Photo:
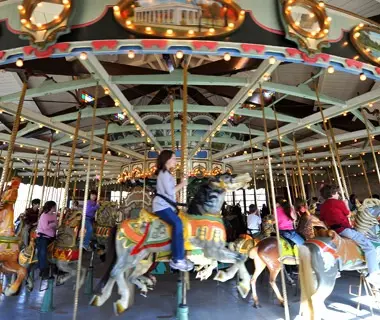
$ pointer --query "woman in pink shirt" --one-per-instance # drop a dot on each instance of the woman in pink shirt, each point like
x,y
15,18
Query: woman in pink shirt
x,y
46,229
286,218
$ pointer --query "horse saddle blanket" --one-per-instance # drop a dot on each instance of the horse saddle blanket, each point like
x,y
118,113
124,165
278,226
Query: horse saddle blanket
x,y
289,252
63,253
350,256
149,231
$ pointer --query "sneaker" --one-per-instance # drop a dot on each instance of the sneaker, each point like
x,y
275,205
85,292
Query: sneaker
x,y
181,265
374,280
338,275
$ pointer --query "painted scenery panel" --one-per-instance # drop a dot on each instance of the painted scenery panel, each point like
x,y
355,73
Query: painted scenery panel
x,y
179,18
366,39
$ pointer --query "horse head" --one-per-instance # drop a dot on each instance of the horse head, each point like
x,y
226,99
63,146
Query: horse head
x,y
210,196
366,220
107,215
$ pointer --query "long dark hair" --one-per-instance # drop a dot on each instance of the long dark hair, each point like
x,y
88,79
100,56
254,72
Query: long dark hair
x,y
285,205
163,157
48,206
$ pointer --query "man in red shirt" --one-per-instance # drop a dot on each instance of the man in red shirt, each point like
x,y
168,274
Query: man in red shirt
x,y
335,214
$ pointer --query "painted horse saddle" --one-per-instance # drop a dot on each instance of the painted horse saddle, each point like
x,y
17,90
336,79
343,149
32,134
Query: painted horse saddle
x,y
149,231
350,256
289,252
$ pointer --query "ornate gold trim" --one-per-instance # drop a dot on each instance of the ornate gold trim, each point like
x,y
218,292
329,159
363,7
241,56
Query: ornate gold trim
x,y
170,31
359,46
316,10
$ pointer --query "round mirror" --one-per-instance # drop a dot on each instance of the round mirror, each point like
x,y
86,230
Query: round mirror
x,y
306,18
366,40
46,12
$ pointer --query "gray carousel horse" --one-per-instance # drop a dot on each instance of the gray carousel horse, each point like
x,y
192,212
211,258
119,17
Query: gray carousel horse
x,y
205,243
323,257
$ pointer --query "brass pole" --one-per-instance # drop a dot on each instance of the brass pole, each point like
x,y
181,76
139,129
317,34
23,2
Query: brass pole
x,y
329,176
335,147
282,157
311,180
324,120
366,177
75,189
283,282
34,181
145,176
266,186
86,192
333,172
299,169
348,180
46,169
12,139
103,160
253,165
371,145
184,153
55,175
172,120
70,168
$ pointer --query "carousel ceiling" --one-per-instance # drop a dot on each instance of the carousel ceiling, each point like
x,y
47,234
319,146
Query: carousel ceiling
x,y
135,92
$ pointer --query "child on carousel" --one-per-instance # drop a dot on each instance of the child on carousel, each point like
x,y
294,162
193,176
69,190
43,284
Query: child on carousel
x,y
335,213
46,230
164,205
286,217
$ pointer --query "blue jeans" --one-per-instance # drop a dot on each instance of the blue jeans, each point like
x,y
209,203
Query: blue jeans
x,y
170,217
42,245
366,245
89,230
292,236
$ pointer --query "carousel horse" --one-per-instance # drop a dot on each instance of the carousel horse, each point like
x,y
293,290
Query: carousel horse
x,y
323,257
141,241
63,251
9,243
264,254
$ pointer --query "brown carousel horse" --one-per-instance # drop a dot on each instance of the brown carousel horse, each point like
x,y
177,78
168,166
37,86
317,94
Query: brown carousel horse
x,y
63,251
9,243
323,257
264,253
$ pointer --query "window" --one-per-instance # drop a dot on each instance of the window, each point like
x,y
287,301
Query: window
x,y
55,194
115,196
249,197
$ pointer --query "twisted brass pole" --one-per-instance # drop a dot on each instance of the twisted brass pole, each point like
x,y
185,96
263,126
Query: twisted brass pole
x,y
103,160
12,139
70,168
299,169
348,180
283,282
46,169
172,120
335,147
366,177
253,165
86,192
313,190
324,120
184,151
31,180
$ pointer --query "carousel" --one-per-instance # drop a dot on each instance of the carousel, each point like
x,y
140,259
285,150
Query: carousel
x,y
279,96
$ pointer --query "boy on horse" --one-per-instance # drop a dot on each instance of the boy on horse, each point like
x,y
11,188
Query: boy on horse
x,y
335,213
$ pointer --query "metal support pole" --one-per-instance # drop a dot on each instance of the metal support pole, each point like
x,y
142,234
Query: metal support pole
x,y
46,172
299,169
103,160
172,120
348,180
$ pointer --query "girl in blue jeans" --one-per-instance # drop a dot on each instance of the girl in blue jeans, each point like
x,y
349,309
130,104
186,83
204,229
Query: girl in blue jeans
x,y
167,189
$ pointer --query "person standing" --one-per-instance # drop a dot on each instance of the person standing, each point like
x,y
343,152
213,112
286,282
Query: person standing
x,y
164,204
46,231
31,219
92,207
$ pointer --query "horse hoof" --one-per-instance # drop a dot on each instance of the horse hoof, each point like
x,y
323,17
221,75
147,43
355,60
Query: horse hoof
x,y
118,308
95,301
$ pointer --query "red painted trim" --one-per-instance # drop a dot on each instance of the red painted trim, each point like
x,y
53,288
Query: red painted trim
x,y
354,64
377,70
150,43
138,248
110,44
211,45
292,52
2,54
325,57
29,50
324,247
86,24
280,32
246,47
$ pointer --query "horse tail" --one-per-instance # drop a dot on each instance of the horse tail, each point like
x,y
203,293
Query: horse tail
x,y
306,282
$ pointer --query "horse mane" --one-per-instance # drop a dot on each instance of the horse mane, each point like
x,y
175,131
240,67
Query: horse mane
x,y
196,204
364,220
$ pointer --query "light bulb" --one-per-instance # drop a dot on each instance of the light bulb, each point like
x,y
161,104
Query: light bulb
x,y
272,60
83,56
179,54
131,54
19,62
363,77
330,69
227,57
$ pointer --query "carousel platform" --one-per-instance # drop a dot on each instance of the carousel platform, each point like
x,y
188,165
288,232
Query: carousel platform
x,y
207,301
